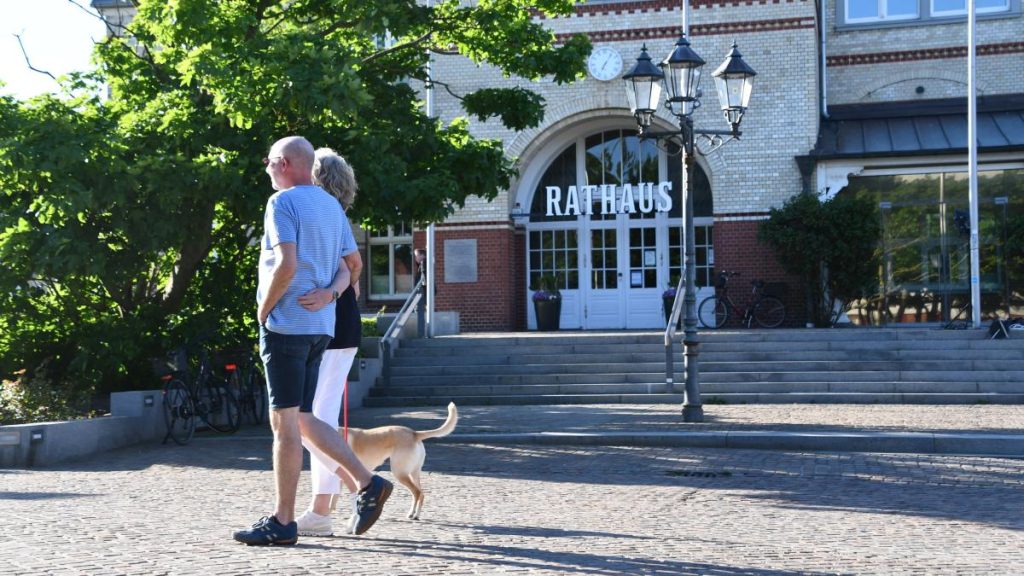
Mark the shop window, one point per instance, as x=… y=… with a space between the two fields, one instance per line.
x=869 y=13
x=924 y=248
x=390 y=256
x=554 y=253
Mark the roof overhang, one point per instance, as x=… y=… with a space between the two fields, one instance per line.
x=919 y=128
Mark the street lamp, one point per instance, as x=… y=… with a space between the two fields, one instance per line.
x=680 y=72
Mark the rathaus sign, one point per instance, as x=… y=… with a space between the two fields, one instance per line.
x=643 y=197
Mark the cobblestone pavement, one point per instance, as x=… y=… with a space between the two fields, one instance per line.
x=532 y=510
x=963 y=418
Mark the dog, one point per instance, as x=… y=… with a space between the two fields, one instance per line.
x=404 y=446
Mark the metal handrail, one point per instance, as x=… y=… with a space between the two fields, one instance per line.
x=670 y=329
x=397 y=325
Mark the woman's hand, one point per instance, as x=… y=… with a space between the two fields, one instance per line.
x=316 y=299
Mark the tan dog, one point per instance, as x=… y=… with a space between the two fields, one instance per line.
x=404 y=446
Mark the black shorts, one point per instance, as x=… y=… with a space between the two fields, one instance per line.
x=292 y=363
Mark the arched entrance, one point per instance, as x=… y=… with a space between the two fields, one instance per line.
x=605 y=219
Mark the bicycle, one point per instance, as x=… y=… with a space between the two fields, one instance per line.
x=767 y=311
x=207 y=395
x=246 y=380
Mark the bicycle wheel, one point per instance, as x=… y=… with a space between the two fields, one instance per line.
x=770 y=312
x=258 y=396
x=219 y=406
x=712 y=313
x=179 y=416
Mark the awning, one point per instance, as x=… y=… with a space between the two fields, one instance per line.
x=917 y=128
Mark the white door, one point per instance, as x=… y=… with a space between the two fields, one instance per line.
x=602 y=281
x=644 y=260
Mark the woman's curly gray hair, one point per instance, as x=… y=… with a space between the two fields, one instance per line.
x=333 y=173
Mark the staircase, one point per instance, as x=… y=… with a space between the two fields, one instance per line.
x=903 y=365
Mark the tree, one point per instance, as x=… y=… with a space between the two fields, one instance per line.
x=128 y=221
x=831 y=245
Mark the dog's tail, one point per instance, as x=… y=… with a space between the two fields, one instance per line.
x=445 y=429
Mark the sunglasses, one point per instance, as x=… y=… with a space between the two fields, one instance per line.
x=267 y=161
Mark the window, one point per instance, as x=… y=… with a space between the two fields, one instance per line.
x=874 y=10
x=903 y=12
x=390 y=256
x=959 y=7
x=554 y=253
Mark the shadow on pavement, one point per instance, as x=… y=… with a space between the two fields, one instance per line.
x=43 y=495
x=560 y=561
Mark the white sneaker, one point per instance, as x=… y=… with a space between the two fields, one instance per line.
x=313 y=524
x=353 y=519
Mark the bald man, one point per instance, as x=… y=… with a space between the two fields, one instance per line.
x=301 y=251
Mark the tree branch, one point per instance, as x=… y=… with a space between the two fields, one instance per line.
x=28 y=62
x=397 y=47
x=194 y=250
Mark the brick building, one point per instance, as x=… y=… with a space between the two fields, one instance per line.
x=860 y=97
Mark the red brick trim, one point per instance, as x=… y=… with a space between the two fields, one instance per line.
x=750 y=26
x=642 y=6
x=924 y=54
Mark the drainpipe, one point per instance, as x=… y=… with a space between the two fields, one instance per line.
x=823 y=70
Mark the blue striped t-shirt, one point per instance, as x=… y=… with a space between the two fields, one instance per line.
x=313 y=220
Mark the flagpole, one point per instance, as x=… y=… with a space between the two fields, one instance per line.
x=972 y=164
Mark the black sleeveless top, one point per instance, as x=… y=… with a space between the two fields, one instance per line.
x=347 y=323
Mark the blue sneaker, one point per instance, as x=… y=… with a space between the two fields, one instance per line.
x=370 y=503
x=267 y=531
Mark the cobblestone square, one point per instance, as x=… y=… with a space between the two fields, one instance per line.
x=532 y=510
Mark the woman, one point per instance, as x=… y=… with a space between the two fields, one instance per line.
x=332 y=173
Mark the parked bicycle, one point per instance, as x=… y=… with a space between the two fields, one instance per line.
x=206 y=395
x=246 y=381
x=765 y=310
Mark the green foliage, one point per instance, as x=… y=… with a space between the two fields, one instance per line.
x=39 y=398
x=831 y=245
x=130 y=223
x=370 y=325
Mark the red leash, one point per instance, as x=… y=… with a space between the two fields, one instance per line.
x=344 y=411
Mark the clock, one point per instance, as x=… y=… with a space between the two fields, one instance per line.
x=605 y=63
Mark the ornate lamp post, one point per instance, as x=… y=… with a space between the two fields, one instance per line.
x=680 y=72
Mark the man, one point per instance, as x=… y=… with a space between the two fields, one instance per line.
x=301 y=251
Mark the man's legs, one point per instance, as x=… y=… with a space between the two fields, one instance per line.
x=287 y=360
x=287 y=461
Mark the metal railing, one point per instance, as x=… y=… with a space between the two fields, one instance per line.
x=387 y=341
x=670 y=330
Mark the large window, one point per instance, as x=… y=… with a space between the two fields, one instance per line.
x=924 y=249
x=390 y=255
x=902 y=12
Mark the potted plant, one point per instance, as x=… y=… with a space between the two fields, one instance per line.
x=547 y=303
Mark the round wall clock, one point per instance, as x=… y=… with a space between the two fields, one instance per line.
x=605 y=63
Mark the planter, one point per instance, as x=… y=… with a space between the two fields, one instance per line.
x=369 y=347
x=548 y=313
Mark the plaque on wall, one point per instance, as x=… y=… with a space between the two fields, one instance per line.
x=460 y=261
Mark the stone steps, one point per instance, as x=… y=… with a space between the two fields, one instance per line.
x=764 y=366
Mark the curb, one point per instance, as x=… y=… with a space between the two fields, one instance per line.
x=911 y=442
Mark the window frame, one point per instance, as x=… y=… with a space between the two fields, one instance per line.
x=387 y=241
x=925 y=15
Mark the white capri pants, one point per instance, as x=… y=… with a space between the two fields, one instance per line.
x=330 y=389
